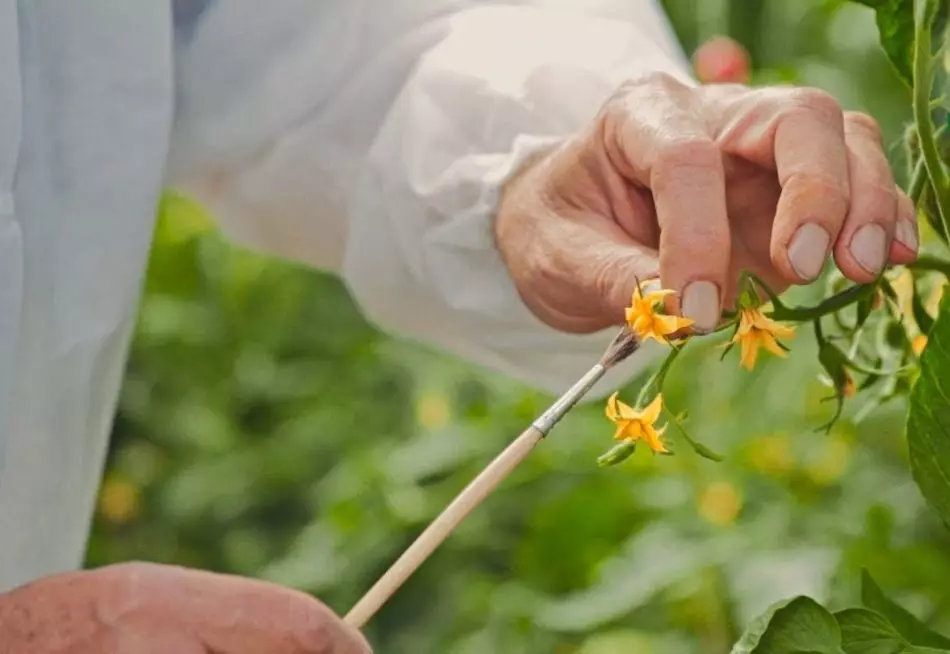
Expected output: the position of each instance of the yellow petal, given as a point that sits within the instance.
(746, 323)
(769, 343)
(749, 351)
(630, 430)
(763, 322)
(670, 324)
(760, 320)
(652, 438)
(650, 414)
(612, 409)
(643, 324)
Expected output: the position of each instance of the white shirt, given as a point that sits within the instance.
(370, 139)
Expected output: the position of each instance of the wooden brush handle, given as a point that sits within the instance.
(442, 526)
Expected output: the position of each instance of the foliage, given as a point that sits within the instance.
(266, 429)
(801, 625)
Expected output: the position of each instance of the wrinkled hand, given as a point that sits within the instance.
(154, 609)
(696, 183)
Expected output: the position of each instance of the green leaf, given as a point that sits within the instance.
(895, 24)
(928, 420)
(864, 631)
(906, 623)
(794, 626)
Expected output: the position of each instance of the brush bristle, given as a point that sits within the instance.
(624, 344)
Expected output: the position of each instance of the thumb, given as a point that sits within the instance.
(722, 60)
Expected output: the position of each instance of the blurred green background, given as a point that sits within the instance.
(266, 429)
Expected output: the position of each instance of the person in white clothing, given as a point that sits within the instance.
(489, 178)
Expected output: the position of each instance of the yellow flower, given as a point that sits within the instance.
(646, 322)
(633, 425)
(919, 344)
(756, 330)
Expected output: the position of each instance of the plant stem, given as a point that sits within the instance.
(830, 305)
(930, 264)
(659, 376)
(919, 178)
(925, 129)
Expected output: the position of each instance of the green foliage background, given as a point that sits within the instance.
(266, 429)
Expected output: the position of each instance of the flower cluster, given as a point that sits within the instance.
(754, 331)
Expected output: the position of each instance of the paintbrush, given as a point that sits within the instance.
(622, 346)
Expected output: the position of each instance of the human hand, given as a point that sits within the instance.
(697, 183)
(154, 609)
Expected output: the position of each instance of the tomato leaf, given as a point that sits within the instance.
(895, 24)
(906, 623)
(792, 626)
(864, 631)
(928, 420)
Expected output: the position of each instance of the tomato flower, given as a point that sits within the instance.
(756, 330)
(643, 319)
(637, 425)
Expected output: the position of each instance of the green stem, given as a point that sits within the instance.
(919, 178)
(930, 264)
(830, 305)
(659, 376)
(918, 182)
(925, 129)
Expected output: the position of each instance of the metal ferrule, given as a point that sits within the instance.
(566, 402)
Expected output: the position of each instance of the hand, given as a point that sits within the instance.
(153, 609)
(697, 183)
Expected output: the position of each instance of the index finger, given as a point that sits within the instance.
(663, 138)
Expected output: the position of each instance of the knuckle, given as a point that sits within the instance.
(820, 187)
(863, 123)
(817, 101)
(652, 80)
(688, 152)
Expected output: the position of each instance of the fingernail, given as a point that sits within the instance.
(869, 247)
(701, 305)
(906, 233)
(808, 251)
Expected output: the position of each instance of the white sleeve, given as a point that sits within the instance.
(464, 92)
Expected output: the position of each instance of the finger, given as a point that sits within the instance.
(667, 146)
(235, 615)
(811, 161)
(864, 243)
(906, 244)
(721, 60)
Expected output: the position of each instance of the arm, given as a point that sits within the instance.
(382, 143)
